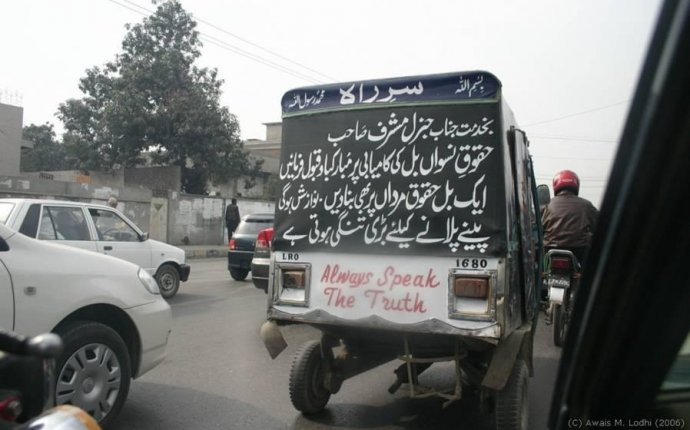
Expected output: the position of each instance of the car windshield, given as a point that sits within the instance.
(5, 211)
(253, 226)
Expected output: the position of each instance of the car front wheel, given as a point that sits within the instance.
(168, 279)
(93, 371)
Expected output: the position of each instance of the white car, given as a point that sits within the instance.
(97, 228)
(113, 322)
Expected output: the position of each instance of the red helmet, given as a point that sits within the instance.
(566, 179)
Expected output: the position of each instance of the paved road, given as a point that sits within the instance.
(219, 376)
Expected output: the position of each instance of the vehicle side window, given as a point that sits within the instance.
(111, 227)
(29, 226)
(47, 231)
(5, 211)
(63, 223)
(253, 226)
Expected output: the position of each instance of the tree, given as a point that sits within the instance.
(47, 153)
(153, 99)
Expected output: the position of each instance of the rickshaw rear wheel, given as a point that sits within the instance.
(307, 392)
(558, 319)
(511, 403)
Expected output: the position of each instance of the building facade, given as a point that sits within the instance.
(11, 118)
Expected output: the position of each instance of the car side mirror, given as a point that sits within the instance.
(543, 195)
(143, 237)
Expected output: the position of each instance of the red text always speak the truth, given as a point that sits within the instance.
(389, 279)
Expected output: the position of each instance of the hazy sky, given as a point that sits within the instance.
(554, 58)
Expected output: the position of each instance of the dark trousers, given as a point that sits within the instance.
(231, 226)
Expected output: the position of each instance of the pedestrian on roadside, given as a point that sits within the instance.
(232, 217)
(112, 202)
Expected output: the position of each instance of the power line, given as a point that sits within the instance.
(237, 50)
(228, 47)
(266, 49)
(577, 114)
(249, 42)
(127, 7)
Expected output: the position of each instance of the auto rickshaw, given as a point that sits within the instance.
(407, 227)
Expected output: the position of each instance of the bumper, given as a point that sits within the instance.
(260, 273)
(485, 331)
(240, 259)
(185, 269)
(430, 338)
(154, 322)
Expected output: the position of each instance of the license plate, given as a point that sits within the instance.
(558, 282)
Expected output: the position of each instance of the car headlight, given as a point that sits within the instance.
(148, 281)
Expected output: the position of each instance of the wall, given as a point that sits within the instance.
(176, 218)
(158, 179)
(10, 138)
(134, 203)
(274, 131)
(195, 220)
(236, 187)
(158, 228)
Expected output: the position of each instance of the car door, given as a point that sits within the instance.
(66, 225)
(118, 238)
(6, 294)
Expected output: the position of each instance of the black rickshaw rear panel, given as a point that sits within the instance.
(389, 191)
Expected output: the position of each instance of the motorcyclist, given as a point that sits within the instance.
(569, 220)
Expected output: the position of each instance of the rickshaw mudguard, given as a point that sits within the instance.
(517, 345)
(272, 338)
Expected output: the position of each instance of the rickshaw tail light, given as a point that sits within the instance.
(475, 288)
(291, 285)
(560, 263)
(294, 279)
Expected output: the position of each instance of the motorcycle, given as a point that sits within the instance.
(27, 379)
(563, 271)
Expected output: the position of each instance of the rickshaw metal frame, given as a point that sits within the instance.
(426, 392)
